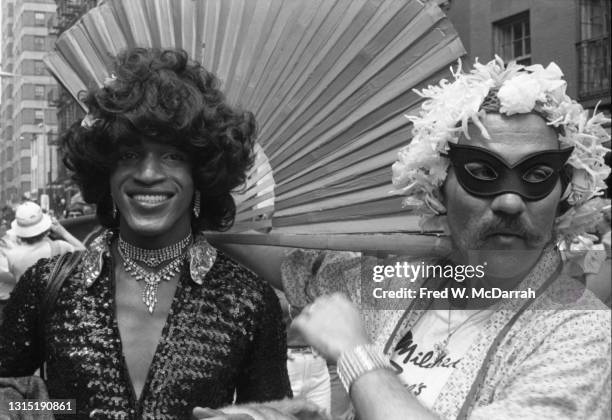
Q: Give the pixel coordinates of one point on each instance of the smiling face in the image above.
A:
(152, 186)
(505, 222)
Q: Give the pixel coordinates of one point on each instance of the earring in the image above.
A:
(196, 204)
(114, 210)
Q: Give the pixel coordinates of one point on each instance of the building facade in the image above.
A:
(575, 34)
(28, 156)
(68, 12)
(68, 110)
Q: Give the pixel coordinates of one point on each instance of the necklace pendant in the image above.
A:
(151, 278)
(149, 294)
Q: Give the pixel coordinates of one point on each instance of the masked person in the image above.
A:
(512, 168)
(153, 320)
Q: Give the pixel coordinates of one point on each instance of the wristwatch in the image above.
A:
(362, 359)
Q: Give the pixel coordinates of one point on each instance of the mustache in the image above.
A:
(513, 225)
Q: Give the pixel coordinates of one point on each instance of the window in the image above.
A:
(52, 138)
(9, 112)
(593, 49)
(39, 19)
(39, 92)
(8, 92)
(26, 186)
(39, 43)
(9, 49)
(68, 113)
(512, 39)
(51, 95)
(24, 141)
(39, 116)
(25, 164)
(39, 68)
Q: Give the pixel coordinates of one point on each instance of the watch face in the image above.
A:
(484, 173)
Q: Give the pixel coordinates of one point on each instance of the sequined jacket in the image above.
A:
(223, 335)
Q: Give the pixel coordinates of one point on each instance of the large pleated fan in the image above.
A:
(329, 81)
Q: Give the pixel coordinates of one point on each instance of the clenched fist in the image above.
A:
(331, 324)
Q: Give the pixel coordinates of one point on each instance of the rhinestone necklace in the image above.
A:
(154, 257)
(152, 278)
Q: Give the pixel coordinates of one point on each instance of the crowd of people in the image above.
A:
(152, 321)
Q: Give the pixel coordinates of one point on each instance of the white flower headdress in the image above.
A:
(421, 170)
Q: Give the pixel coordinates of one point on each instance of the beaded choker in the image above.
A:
(154, 257)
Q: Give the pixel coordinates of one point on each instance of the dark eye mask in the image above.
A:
(484, 173)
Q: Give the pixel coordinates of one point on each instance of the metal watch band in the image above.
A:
(362, 359)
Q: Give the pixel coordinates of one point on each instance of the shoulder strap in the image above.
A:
(64, 265)
(62, 269)
(470, 401)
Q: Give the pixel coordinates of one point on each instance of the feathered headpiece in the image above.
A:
(421, 170)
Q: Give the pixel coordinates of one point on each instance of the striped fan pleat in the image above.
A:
(329, 81)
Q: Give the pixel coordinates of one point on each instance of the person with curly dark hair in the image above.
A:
(153, 321)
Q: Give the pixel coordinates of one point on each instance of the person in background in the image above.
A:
(28, 241)
(32, 228)
(6, 278)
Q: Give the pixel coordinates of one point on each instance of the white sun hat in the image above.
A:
(30, 220)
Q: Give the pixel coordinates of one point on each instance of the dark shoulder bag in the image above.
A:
(64, 266)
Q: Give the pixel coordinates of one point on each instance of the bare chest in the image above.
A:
(140, 330)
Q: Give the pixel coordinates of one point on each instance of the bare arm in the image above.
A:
(263, 260)
(376, 395)
(61, 231)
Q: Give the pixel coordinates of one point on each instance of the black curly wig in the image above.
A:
(165, 97)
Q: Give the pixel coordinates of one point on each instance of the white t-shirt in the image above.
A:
(424, 370)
